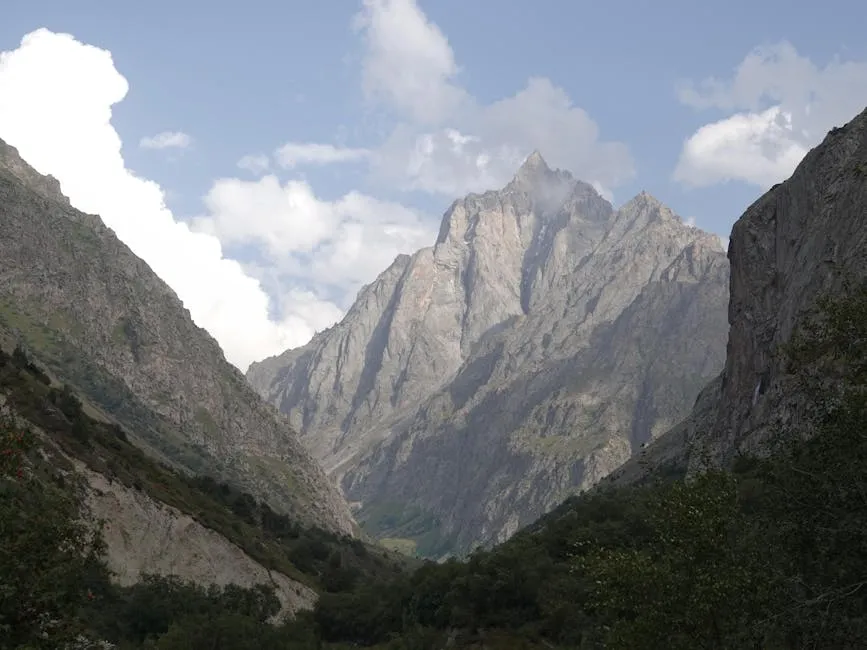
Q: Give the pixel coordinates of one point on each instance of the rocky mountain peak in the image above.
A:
(803, 241)
(546, 187)
(644, 209)
(519, 359)
(644, 202)
(534, 163)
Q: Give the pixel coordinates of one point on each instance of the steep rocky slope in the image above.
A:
(541, 341)
(802, 240)
(156, 520)
(101, 320)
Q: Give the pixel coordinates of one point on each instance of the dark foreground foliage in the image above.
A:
(772, 554)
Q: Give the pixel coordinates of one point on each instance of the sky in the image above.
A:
(268, 158)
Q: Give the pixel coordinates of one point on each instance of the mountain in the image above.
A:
(101, 321)
(539, 343)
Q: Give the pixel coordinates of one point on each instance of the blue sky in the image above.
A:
(410, 105)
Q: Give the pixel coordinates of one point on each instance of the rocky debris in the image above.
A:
(144, 536)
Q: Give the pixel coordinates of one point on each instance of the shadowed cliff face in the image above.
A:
(802, 240)
(103, 321)
(540, 341)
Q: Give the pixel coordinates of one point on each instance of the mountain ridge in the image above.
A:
(100, 319)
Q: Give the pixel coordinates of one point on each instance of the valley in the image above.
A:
(562, 425)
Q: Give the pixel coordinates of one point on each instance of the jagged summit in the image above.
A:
(644, 200)
(535, 177)
(645, 203)
(534, 162)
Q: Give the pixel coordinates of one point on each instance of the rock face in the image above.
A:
(803, 239)
(144, 536)
(541, 341)
(103, 321)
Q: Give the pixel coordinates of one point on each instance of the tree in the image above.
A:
(230, 631)
(691, 584)
(49, 558)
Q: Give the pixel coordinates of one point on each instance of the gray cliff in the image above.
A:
(539, 343)
(804, 239)
(101, 320)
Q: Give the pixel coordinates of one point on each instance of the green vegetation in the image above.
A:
(401, 545)
(405, 528)
(55, 590)
(771, 554)
(47, 557)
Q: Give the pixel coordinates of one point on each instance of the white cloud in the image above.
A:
(337, 245)
(166, 140)
(758, 148)
(780, 104)
(294, 154)
(690, 221)
(255, 163)
(447, 142)
(409, 63)
(56, 98)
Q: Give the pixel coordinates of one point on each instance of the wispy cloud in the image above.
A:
(166, 140)
(294, 154)
(255, 163)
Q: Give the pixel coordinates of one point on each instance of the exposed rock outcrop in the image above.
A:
(540, 342)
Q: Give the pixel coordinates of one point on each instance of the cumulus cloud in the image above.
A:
(757, 148)
(780, 104)
(446, 142)
(339, 244)
(293, 154)
(166, 140)
(56, 98)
